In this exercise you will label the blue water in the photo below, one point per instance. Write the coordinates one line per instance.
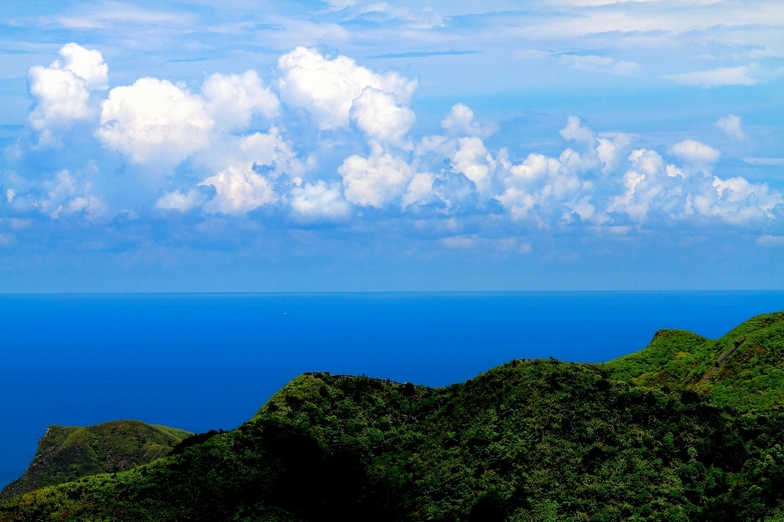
(210, 361)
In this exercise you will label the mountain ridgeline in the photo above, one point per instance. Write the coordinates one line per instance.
(688, 429)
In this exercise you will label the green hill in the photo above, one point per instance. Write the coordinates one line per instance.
(69, 453)
(652, 436)
(744, 369)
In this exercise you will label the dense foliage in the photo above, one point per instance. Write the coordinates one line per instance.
(66, 453)
(527, 441)
(749, 376)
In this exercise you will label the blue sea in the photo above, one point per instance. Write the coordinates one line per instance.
(204, 361)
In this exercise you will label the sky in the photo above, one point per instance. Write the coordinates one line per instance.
(372, 146)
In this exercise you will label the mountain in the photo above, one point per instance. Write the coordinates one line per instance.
(645, 437)
(69, 453)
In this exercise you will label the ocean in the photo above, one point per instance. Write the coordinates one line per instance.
(209, 361)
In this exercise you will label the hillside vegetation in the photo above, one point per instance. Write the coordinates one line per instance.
(645, 437)
(744, 369)
(69, 453)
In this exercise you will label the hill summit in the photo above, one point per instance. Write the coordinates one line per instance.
(67, 453)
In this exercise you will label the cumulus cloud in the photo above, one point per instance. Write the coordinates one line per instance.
(534, 166)
(542, 188)
(327, 87)
(653, 187)
(247, 168)
(378, 114)
(87, 64)
(232, 100)
(716, 77)
(181, 201)
(62, 90)
(65, 196)
(460, 122)
(731, 125)
(239, 189)
(159, 124)
(602, 151)
(737, 201)
(576, 131)
(268, 149)
(695, 152)
(419, 189)
(474, 161)
(375, 180)
(609, 149)
(319, 202)
(154, 122)
(643, 184)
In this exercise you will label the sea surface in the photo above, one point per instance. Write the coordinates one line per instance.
(209, 361)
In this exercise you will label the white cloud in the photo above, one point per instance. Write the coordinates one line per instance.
(610, 147)
(695, 152)
(327, 88)
(154, 122)
(575, 131)
(769, 240)
(247, 167)
(87, 64)
(269, 149)
(181, 201)
(474, 161)
(419, 189)
(642, 184)
(598, 64)
(9, 195)
(375, 180)
(736, 201)
(460, 122)
(119, 16)
(651, 187)
(765, 161)
(716, 77)
(239, 189)
(65, 196)
(519, 202)
(319, 202)
(585, 210)
(61, 96)
(543, 188)
(731, 125)
(378, 114)
(603, 151)
(534, 166)
(62, 90)
(231, 100)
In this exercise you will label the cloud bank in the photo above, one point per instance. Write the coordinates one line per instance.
(330, 143)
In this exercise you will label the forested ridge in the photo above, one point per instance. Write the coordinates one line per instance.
(671, 433)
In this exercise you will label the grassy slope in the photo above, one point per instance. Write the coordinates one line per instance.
(68, 453)
(750, 379)
(639, 438)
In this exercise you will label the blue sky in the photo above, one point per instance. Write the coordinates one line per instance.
(349, 145)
